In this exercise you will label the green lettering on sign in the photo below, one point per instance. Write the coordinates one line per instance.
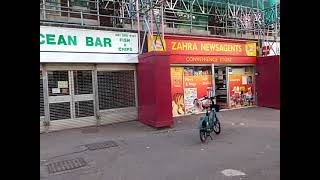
(89, 41)
(72, 40)
(50, 39)
(98, 42)
(42, 41)
(107, 41)
(61, 40)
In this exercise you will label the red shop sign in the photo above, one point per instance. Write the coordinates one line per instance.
(210, 47)
(189, 59)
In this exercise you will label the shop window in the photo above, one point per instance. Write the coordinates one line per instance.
(53, 7)
(82, 82)
(116, 89)
(249, 70)
(241, 87)
(58, 83)
(80, 4)
(41, 96)
(188, 85)
(59, 111)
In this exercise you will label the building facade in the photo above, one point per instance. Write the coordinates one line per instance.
(89, 55)
(87, 77)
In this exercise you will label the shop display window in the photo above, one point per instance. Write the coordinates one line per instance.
(241, 87)
(188, 85)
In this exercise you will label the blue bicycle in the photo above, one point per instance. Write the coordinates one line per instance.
(210, 122)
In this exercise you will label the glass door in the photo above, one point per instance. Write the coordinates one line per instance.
(70, 94)
(221, 86)
(59, 95)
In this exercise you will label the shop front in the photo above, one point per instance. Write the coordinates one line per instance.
(87, 77)
(199, 67)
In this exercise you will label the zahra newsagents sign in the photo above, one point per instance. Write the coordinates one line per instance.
(82, 40)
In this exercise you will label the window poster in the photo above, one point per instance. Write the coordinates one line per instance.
(241, 90)
(200, 80)
(188, 84)
(62, 84)
(244, 80)
(177, 91)
(190, 94)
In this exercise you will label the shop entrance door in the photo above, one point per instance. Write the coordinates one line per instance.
(220, 74)
(71, 98)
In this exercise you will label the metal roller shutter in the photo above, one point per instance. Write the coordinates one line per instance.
(77, 94)
(117, 95)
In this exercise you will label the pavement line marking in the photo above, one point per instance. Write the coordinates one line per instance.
(232, 172)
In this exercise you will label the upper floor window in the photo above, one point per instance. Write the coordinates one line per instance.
(80, 4)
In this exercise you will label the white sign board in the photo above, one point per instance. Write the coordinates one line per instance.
(57, 39)
(272, 48)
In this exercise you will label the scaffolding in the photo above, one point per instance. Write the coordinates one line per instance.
(249, 19)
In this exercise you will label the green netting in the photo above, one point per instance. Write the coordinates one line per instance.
(261, 4)
(199, 21)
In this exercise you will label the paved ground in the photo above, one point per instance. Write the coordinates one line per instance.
(249, 142)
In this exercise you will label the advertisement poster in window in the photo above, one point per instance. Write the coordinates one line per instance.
(199, 79)
(241, 90)
(187, 85)
(177, 91)
(190, 94)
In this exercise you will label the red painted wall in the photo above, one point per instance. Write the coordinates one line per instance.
(268, 81)
(154, 90)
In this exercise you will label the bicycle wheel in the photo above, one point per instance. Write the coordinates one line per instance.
(217, 126)
(203, 136)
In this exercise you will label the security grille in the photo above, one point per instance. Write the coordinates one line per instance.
(59, 111)
(116, 89)
(58, 83)
(84, 109)
(41, 96)
(66, 165)
(82, 82)
(101, 145)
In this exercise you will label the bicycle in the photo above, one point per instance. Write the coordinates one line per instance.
(210, 122)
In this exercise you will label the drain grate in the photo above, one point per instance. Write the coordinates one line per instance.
(101, 145)
(66, 165)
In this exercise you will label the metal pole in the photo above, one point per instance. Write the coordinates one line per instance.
(44, 9)
(143, 41)
(227, 14)
(213, 81)
(71, 87)
(68, 3)
(191, 10)
(276, 23)
(45, 96)
(151, 19)
(96, 95)
(162, 24)
(98, 11)
(131, 12)
(114, 14)
(138, 24)
(81, 13)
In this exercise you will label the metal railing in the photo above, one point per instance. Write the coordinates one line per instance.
(219, 19)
